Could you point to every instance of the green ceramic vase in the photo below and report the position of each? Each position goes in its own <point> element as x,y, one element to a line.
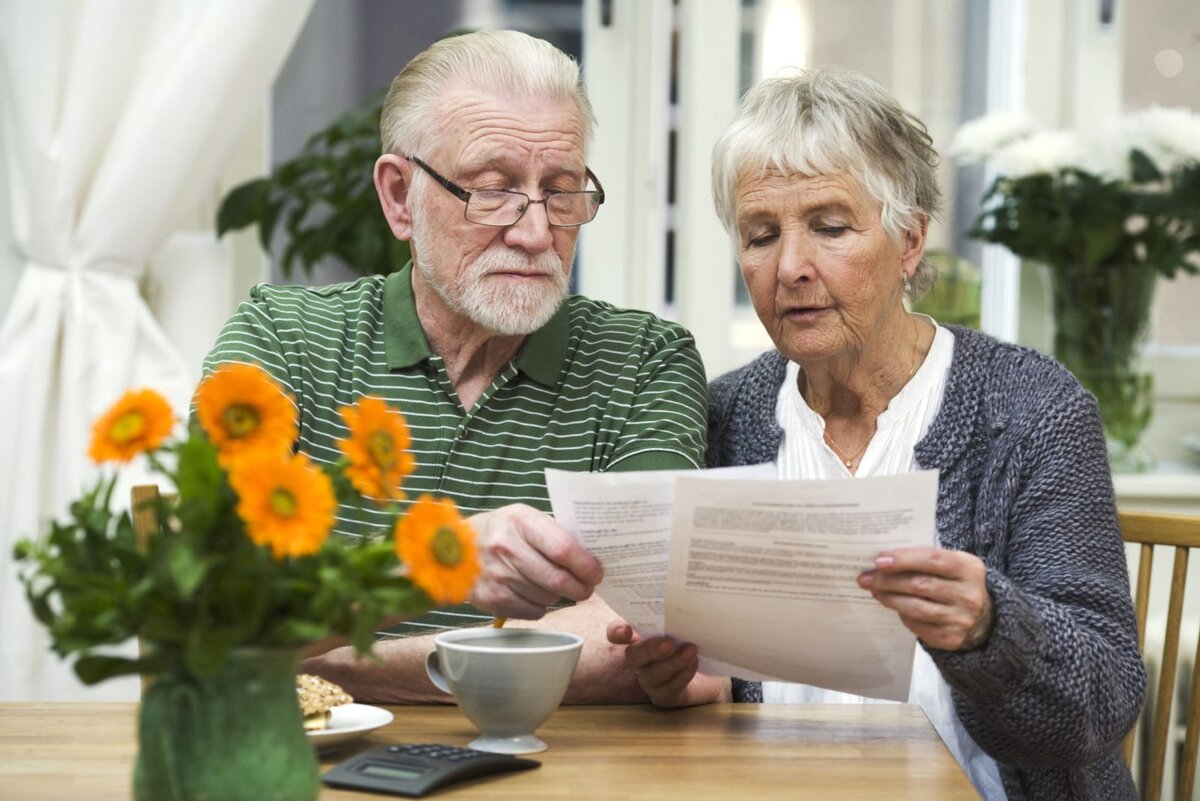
<point>234,736</point>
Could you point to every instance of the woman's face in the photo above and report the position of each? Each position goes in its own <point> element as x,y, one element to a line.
<point>823,274</point>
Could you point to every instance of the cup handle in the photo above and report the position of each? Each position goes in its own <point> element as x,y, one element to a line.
<point>433,668</point>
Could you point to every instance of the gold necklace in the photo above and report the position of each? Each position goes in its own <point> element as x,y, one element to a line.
<point>912,370</point>
<point>847,460</point>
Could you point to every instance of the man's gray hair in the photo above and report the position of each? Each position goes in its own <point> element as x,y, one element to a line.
<point>503,61</point>
<point>832,120</point>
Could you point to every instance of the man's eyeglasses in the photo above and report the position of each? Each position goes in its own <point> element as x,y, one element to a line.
<point>502,208</point>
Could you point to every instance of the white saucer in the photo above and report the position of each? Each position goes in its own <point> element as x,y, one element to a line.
<point>349,722</point>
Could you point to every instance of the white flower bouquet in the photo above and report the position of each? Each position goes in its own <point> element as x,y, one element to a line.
<point>1128,195</point>
<point>1107,212</point>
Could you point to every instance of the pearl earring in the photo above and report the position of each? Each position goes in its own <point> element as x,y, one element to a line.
<point>907,283</point>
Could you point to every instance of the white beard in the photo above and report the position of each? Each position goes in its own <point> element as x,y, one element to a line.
<point>508,308</point>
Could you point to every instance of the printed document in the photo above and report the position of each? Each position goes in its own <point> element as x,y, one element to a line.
<point>759,574</point>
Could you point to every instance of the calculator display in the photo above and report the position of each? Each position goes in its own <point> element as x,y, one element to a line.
<point>389,771</point>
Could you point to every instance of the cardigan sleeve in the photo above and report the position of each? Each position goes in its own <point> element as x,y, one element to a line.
<point>1060,680</point>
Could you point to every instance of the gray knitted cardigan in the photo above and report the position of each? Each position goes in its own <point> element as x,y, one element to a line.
<point>1024,485</point>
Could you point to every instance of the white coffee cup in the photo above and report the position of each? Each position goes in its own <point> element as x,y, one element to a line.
<point>506,681</point>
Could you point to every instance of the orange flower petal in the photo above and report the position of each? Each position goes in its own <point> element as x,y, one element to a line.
<point>139,421</point>
<point>243,409</point>
<point>286,503</point>
<point>438,546</point>
<point>377,449</point>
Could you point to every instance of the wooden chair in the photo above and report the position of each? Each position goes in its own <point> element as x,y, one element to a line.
<point>145,522</point>
<point>1182,532</point>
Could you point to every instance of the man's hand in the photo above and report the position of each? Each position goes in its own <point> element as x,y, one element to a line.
<point>527,563</point>
<point>940,595</point>
<point>666,670</point>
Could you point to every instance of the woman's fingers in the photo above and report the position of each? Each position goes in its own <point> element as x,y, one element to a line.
<point>621,633</point>
<point>940,595</point>
<point>664,669</point>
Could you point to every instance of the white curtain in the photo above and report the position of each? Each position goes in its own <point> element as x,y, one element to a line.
<point>117,115</point>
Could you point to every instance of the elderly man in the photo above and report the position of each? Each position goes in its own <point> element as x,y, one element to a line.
<point>499,374</point>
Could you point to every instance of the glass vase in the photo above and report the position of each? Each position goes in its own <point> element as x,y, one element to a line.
<point>234,736</point>
<point>1101,313</point>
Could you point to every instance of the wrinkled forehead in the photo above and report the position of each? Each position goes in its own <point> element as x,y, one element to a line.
<point>790,189</point>
<point>469,112</point>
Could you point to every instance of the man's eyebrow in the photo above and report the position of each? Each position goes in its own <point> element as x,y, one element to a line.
<point>473,171</point>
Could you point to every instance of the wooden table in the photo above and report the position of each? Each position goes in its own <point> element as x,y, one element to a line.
<point>726,751</point>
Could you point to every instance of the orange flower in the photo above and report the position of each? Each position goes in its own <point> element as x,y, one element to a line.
<point>377,448</point>
<point>287,502</point>
<point>138,422</point>
<point>439,548</point>
<point>243,409</point>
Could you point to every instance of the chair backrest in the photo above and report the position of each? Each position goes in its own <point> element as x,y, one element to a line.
<point>1183,533</point>
<point>144,514</point>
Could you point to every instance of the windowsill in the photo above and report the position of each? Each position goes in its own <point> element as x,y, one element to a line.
<point>1172,486</point>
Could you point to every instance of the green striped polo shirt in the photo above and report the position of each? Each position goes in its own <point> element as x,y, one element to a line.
<point>597,388</point>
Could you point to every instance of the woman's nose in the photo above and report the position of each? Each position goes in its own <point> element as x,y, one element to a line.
<point>795,259</point>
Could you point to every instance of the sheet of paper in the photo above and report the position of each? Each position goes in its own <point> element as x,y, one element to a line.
<point>762,575</point>
<point>624,519</point>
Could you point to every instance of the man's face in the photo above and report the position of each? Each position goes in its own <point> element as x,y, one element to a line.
<point>508,280</point>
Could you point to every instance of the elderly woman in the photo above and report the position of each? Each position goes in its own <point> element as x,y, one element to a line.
<point>1029,666</point>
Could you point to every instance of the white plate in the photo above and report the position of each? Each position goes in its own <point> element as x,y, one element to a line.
<point>349,722</point>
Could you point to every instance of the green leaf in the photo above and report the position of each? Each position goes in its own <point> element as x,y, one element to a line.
<point>1143,168</point>
<point>322,198</point>
<point>242,206</point>
<point>187,567</point>
<point>268,220</point>
<point>95,669</point>
<point>299,631</point>
<point>1100,241</point>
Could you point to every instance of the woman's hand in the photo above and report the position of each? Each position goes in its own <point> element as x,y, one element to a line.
<point>666,670</point>
<point>940,595</point>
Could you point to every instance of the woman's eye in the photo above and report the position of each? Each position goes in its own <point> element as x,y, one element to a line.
<point>832,230</point>
<point>760,240</point>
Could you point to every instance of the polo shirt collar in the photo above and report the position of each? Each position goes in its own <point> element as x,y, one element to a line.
<point>540,357</point>
<point>543,352</point>
<point>404,344</point>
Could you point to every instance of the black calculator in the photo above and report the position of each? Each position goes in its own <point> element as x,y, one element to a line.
<point>417,769</point>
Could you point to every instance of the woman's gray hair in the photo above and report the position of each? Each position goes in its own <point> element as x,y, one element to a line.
<point>832,120</point>
<point>504,61</point>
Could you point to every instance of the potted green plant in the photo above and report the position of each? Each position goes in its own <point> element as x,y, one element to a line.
<point>323,201</point>
<point>240,573</point>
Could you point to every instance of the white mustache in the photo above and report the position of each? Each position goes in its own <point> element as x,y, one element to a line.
<point>507,261</point>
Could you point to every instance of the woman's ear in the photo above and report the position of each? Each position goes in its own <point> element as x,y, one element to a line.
<point>393,175</point>
<point>914,245</point>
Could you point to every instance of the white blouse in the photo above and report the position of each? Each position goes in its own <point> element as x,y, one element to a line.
<point>804,454</point>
